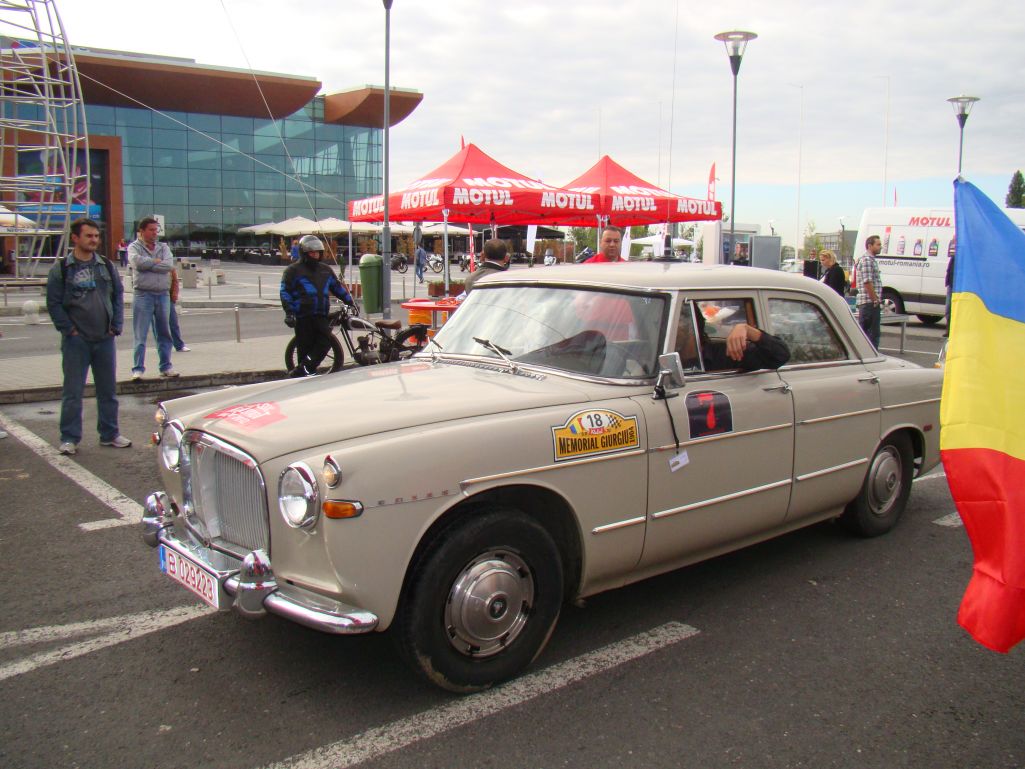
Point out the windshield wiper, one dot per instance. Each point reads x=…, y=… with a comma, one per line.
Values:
x=501, y=352
x=436, y=343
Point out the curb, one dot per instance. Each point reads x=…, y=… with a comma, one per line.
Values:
x=146, y=386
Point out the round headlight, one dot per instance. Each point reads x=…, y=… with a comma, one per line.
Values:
x=298, y=497
x=170, y=445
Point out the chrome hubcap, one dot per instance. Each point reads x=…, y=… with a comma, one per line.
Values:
x=489, y=603
x=884, y=481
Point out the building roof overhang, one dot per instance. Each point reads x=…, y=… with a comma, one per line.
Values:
x=365, y=106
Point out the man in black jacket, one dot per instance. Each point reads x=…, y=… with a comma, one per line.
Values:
x=747, y=347
x=306, y=289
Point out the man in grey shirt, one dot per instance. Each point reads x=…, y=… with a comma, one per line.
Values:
x=151, y=302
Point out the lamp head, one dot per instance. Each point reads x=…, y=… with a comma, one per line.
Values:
x=735, y=42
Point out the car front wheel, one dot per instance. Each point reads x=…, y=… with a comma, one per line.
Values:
x=885, y=491
x=482, y=601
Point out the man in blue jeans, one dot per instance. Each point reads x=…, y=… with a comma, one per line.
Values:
x=869, y=285
x=85, y=299
x=151, y=303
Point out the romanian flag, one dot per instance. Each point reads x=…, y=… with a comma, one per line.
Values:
x=982, y=412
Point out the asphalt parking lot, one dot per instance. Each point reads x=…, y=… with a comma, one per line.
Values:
x=815, y=649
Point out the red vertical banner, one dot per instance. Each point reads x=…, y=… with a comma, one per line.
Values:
x=470, y=248
x=711, y=182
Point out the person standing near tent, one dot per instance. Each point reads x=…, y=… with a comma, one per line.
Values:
x=496, y=259
x=419, y=262
x=610, y=247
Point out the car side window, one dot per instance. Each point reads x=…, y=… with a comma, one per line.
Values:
x=807, y=333
x=718, y=317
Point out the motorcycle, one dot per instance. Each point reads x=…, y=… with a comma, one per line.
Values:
x=436, y=262
x=549, y=260
x=399, y=263
x=379, y=342
x=464, y=262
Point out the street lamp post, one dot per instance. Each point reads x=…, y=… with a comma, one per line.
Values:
x=386, y=231
x=962, y=106
x=735, y=42
x=842, y=233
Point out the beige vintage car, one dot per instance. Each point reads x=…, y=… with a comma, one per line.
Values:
x=562, y=437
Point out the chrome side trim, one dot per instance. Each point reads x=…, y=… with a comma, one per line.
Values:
x=724, y=498
x=722, y=436
x=835, y=469
x=545, y=468
x=834, y=417
x=911, y=403
x=618, y=525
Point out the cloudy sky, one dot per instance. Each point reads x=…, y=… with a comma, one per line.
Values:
x=547, y=86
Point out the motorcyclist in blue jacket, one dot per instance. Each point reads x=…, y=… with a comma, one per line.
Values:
x=306, y=289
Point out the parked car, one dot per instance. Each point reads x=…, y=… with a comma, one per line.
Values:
x=536, y=456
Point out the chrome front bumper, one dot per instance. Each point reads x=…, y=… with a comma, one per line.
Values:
x=248, y=585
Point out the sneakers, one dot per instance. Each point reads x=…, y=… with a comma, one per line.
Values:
x=184, y=348
x=136, y=376
x=68, y=448
x=117, y=442
x=169, y=373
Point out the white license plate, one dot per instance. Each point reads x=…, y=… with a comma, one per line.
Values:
x=187, y=572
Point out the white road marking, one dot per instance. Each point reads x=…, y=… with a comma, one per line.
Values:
x=128, y=510
x=953, y=521
x=120, y=629
x=408, y=731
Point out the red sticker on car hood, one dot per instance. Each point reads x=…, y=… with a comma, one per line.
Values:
x=249, y=416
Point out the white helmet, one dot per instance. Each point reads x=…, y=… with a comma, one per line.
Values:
x=310, y=243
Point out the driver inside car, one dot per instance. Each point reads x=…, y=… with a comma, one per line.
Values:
x=746, y=347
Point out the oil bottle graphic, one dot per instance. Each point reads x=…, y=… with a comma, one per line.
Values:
x=900, y=246
x=934, y=247
x=918, y=247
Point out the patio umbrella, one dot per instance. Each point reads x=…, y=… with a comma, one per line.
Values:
x=257, y=229
x=473, y=187
x=626, y=199
x=297, y=225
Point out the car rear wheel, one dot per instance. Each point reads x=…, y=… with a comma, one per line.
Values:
x=885, y=491
x=482, y=601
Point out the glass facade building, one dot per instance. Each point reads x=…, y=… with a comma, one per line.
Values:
x=211, y=150
x=208, y=175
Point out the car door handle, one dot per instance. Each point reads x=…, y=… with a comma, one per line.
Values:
x=871, y=379
x=782, y=387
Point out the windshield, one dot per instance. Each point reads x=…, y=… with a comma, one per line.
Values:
x=602, y=333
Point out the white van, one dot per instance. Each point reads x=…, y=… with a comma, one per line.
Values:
x=917, y=243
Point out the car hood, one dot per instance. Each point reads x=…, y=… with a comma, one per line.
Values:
x=275, y=418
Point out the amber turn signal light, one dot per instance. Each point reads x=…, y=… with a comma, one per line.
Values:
x=337, y=509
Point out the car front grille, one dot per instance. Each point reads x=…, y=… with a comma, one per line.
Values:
x=225, y=494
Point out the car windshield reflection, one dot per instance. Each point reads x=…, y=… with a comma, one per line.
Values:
x=615, y=335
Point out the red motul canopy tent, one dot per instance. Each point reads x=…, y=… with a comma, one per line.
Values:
x=625, y=199
x=474, y=187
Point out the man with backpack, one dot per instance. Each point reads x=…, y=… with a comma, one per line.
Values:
x=85, y=299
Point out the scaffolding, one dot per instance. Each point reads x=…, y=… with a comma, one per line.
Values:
x=44, y=153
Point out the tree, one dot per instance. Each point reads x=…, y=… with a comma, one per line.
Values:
x=1016, y=191
x=584, y=237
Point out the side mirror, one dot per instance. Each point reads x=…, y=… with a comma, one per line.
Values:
x=670, y=374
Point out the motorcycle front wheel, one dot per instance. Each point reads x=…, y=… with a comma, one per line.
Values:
x=408, y=342
x=333, y=361
x=400, y=266
x=435, y=265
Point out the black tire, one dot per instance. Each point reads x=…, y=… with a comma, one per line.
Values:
x=435, y=265
x=409, y=342
x=502, y=556
x=333, y=361
x=892, y=301
x=884, y=493
x=401, y=266
x=930, y=320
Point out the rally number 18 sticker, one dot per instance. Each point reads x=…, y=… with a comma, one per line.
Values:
x=594, y=432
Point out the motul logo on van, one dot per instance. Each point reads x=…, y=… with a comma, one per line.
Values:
x=930, y=221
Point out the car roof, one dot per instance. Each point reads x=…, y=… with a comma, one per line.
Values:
x=658, y=275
